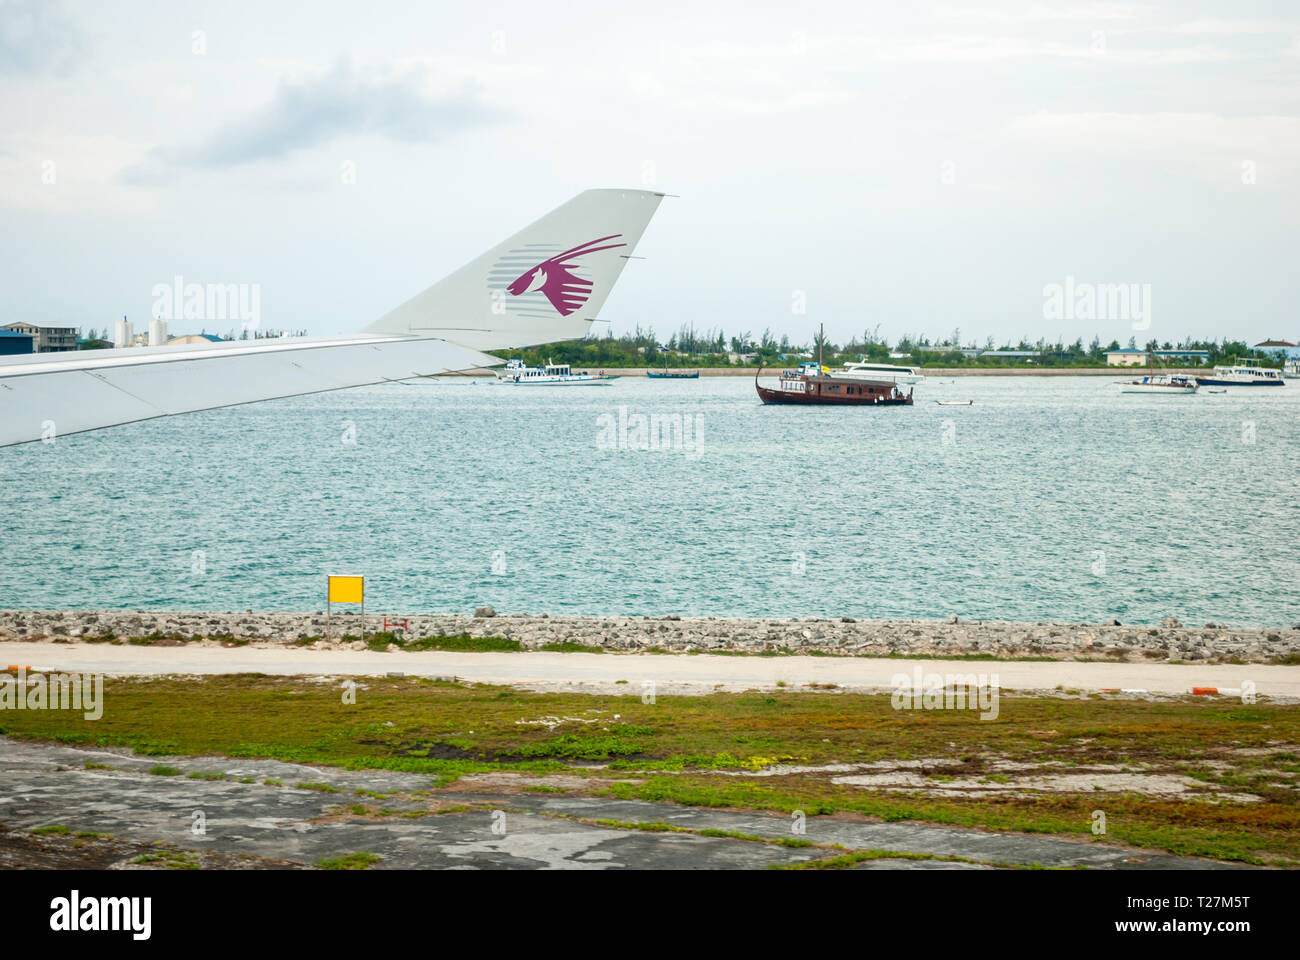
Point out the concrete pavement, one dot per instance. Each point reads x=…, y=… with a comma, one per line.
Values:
x=273, y=825
x=679, y=674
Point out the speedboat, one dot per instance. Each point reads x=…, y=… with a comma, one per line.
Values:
x=553, y=374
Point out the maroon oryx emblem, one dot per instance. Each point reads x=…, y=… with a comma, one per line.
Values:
x=555, y=277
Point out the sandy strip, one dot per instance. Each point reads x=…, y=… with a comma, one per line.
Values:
x=670, y=674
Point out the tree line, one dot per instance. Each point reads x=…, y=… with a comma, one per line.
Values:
x=692, y=347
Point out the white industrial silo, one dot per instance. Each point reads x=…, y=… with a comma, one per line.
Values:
x=123, y=336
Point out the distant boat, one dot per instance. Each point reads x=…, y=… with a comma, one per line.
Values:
x=954, y=403
x=1160, y=384
x=673, y=375
x=1291, y=370
x=1163, y=384
x=814, y=383
x=1248, y=373
x=881, y=371
x=553, y=374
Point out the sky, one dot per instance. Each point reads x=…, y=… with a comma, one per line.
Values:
x=913, y=168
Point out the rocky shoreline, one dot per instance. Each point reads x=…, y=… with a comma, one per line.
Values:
x=843, y=636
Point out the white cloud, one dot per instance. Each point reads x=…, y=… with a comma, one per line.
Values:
x=37, y=37
x=1236, y=27
x=1039, y=12
x=55, y=172
x=341, y=102
x=1187, y=134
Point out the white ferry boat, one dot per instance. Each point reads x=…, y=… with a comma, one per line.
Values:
x=552, y=374
x=1248, y=373
x=865, y=370
x=1291, y=369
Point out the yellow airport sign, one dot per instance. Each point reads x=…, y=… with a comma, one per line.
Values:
x=346, y=590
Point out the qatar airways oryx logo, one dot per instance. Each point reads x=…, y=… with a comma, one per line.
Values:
x=556, y=279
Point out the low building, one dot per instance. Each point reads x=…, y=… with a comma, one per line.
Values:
x=1280, y=348
x=47, y=337
x=1029, y=356
x=1134, y=357
x=12, y=342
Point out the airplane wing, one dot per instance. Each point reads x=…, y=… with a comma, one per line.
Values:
x=546, y=283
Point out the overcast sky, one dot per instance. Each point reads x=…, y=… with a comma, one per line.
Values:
x=922, y=167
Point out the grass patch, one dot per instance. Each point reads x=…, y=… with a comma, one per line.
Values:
x=465, y=643
x=169, y=859
x=162, y=770
x=689, y=749
x=656, y=827
x=848, y=860
x=659, y=826
x=351, y=861
x=461, y=642
x=53, y=829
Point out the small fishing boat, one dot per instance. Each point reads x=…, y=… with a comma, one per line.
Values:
x=1217, y=390
x=954, y=403
x=673, y=374
x=1248, y=373
x=553, y=374
x=1163, y=384
x=1160, y=384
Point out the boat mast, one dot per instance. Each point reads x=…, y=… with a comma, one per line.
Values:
x=821, y=337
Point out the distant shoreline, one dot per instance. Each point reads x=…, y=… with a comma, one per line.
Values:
x=928, y=371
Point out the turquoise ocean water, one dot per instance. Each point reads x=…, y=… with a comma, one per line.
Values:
x=1048, y=498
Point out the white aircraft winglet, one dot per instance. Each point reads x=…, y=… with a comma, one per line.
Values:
x=546, y=283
